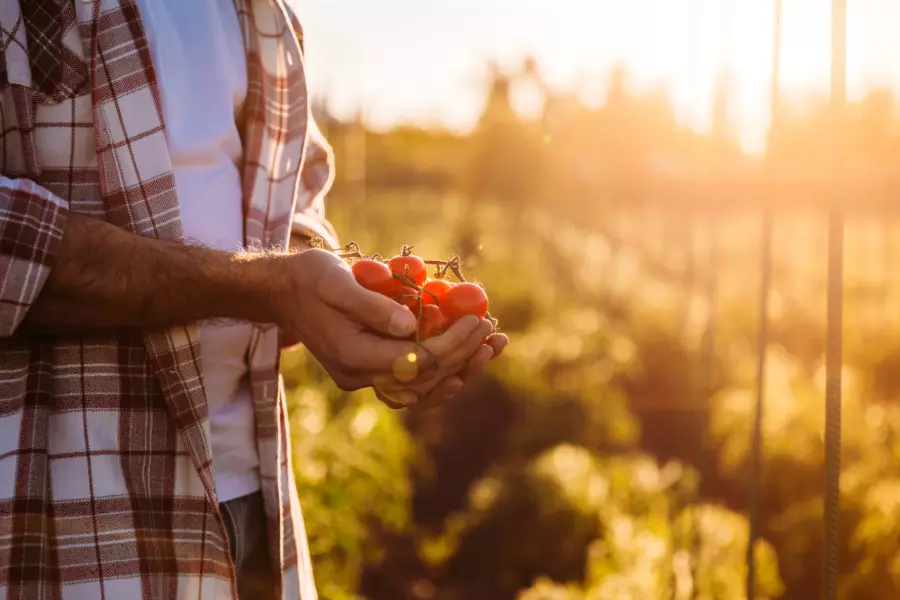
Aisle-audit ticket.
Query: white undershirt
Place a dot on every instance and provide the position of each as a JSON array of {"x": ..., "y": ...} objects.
[{"x": 198, "y": 54}]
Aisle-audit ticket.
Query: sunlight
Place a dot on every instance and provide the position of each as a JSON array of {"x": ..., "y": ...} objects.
[
  {"x": 361, "y": 57},
  {"x": 685, "y": 44}
]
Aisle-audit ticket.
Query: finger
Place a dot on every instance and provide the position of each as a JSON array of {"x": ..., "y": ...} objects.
[
  {"x": 497, "y": 342},
  {"x": 390, "y": 395},
  {"x": 478, "y": 363},
  {"x": 421, "y": 386},
  {"x": 350, "y": 382},
  {"x": 445, "y": 391},
  {"x": 463, "y": 351},
  {"x": 395, "y": 403},
  {"x": 441, "y": 346},
  {"x": 406, "y": 361},
  {"x": 339, "y": 289},
  {"x": 452, "y": 364},
  {"x": 439, "y": 357},
  {"x": 360, "y": 353},
  {"x": 418, "y": 384}
]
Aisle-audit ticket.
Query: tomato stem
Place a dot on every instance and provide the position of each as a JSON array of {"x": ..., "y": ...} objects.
[
  {"x": 433, "y": 297},
  {"x": 409, "y": 282},
  {"x": 419, "y": 317}
]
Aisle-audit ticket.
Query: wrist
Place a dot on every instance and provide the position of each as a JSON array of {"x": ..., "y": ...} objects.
[{"x": 260, "y": 284}]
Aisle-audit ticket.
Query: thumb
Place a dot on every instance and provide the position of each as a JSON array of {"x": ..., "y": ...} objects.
[{"x": 341, "y": 291}]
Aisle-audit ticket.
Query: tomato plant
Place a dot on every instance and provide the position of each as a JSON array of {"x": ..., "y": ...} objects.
[{"x": 465, "y": 299}]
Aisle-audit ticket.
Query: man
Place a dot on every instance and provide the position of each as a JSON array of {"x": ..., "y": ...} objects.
[{"x": 143, "y": 437}]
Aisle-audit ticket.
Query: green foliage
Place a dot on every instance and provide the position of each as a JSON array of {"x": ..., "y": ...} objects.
[
  {"x": 653, "y": 544},
  {"x": 350, "y": 457},
  {"x": 599, "y": 351},
  {"x": 588, "y": 517},
  {"x": 607, "y": 454}
]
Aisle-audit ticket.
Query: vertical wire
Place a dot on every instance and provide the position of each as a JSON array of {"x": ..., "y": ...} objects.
[
  {"x": 756, "y": 458},
  {"x": 694, "y": 417},
  {"x": 833, "y": 353}
]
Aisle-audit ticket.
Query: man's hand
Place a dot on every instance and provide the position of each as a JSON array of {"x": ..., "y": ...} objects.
[
  {"x": 354, "y": 333},
  {"x": 445, "y": 383},
  {"x": 437, "y": 386}
]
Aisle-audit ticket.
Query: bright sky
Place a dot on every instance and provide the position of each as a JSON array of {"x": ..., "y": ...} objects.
[{"x": 424, "y": 60}]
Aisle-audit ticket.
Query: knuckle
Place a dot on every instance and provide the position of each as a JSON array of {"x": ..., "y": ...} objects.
[
  {"x": 308, "y": 263},
  {"x": 484, "y": 329},
  {"x": 323, "y": 282},
  {"x": 326, "y": 272}
]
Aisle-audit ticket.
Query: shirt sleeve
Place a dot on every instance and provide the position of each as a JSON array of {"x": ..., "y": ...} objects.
[
  {"x": 315, "y": 181},
  {"x": 32, "y": 222},
  {"x": 317, "y": 175}
]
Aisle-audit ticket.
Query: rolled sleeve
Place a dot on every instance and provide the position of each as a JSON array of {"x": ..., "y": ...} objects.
[
  {"x": 32, "y": 222},
  {"x": 315, "y": 181},
  {"x": 317, "y": 174}
]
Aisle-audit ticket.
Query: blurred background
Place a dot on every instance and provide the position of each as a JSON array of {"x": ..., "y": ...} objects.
[{"x": 604, "y": 168}]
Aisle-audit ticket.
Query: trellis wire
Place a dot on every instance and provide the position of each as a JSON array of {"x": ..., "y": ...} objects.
[{"x": 833, "y": 354}]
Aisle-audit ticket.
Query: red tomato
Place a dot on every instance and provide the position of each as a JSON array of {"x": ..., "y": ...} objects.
[
  {"x": 433, "y": 322},
  {"x": 411, "y": 266},
  {"x": 465, "y": 299},
  {"x": 438, "y": 287},
  {"x": 373, "y": 275}
]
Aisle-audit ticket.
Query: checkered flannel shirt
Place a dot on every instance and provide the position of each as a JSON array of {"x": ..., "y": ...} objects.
[{"x": 106, "y": 482}]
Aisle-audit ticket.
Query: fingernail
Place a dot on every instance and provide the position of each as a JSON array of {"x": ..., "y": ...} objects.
[{"x": 402, "y": 322}]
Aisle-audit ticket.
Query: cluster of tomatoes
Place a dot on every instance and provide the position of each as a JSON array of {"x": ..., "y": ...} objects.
[{"x": 437, "y": 302}]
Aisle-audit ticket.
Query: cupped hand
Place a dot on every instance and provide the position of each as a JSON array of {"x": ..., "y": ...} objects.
[
  {"x": 447, "y": 382},
  {"x": 358, "y": 335},
  {"x": 322, "y": 307}
]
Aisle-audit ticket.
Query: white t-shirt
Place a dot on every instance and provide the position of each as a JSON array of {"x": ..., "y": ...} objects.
[{"x": 198, "y": 54}]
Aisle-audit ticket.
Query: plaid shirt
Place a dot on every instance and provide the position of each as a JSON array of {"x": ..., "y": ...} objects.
[{"x": 106, "y": 481}]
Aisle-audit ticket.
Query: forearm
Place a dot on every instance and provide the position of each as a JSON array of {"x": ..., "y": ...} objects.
[{"x": 106, "y": 277}]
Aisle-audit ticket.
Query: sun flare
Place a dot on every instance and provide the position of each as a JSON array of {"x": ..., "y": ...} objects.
[{"x": 682, "y": 45}]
